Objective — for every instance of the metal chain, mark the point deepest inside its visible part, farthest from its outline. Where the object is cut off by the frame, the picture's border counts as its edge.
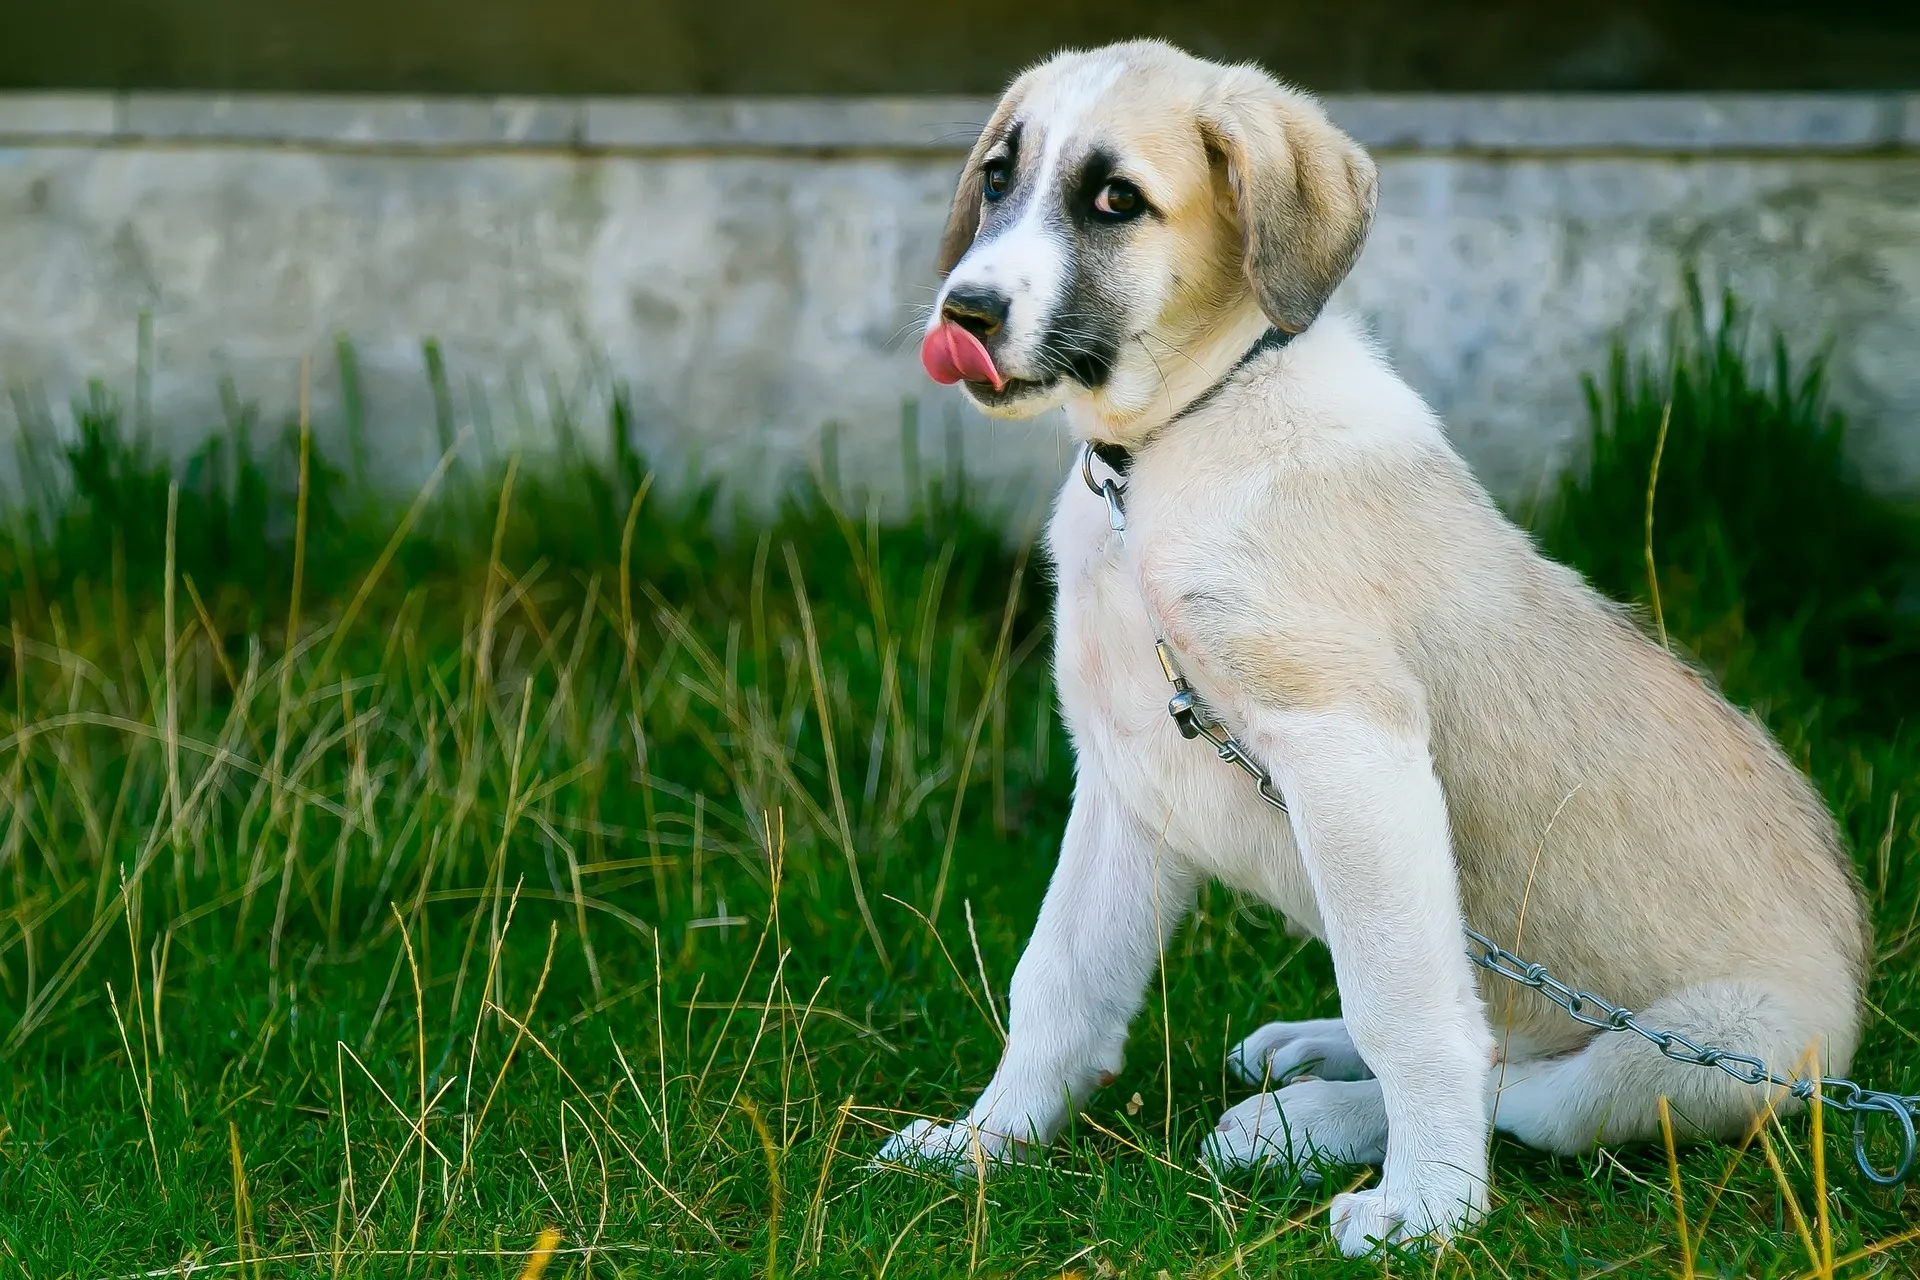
(1191, 715)
(1837, 1094)
(1187, 710)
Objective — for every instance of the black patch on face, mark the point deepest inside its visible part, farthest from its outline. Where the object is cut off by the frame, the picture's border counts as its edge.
(997, 215)
(1089, 324)
(1081, 344)
(1095, 172)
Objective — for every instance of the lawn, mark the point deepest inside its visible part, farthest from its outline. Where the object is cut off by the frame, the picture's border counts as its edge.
(387, 887)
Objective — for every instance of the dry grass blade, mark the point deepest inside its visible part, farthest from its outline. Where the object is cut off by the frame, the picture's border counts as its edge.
(1653, 484)
(242, 1199)
(170, 714)
(980, 966)
(821, 709)
(907, 1230)
(1679, 1195)
(614, 1133)
(1236, 1259)
(991, 1017)
(1787, 1197)
(628, 636)
(1816, 1107)
(472, 1135)
(814, 1227)
(996, 669)
(774, 1188)
(1873, 1250)
(142, 1091)
(372, 578)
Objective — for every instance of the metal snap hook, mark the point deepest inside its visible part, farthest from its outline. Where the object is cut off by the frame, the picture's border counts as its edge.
(1902, 1167)
(1108, 491)
(1086, 471)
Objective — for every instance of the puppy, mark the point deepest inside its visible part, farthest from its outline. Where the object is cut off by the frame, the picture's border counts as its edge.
(1463, 731)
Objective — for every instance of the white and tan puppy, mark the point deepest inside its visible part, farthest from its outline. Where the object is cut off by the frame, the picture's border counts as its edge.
(1464, 732)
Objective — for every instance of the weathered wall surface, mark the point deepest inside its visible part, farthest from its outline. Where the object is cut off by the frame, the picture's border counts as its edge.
(752, 269)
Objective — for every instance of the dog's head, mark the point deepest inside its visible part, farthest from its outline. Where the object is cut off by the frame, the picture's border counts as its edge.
(1122, 208)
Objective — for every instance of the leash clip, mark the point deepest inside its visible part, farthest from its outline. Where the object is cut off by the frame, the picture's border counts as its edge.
(1182, 706)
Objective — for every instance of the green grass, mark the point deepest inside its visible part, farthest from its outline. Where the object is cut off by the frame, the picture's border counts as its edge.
(370, 903)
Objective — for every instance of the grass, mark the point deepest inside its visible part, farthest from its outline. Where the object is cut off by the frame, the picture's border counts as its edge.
(385, 889)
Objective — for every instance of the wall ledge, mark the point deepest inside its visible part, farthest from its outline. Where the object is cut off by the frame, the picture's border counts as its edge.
(1669, 124)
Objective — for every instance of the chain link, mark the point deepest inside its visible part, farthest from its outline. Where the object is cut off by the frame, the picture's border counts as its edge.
(1837, 1094)
(1190, 714)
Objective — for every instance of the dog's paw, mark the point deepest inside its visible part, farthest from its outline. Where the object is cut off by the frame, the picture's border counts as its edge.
(961, 1149)
(1363, 1221)
(1301, 1126)
(1279, 1051)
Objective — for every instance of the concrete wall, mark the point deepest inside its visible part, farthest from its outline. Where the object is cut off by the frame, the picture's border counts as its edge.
(752, 268)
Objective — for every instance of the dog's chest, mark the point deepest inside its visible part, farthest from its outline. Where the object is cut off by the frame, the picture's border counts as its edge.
(1114, 695)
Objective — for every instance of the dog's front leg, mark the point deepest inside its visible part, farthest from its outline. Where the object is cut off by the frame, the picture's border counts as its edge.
(1115, 897)
(1371, 823)
(1325, 701)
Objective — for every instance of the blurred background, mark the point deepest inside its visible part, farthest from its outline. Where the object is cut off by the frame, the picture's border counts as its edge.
(522, 709)
(763, 46)
(726, 211)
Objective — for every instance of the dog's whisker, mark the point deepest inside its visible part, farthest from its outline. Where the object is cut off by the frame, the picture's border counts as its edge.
(1143, 337)
(1165, 386)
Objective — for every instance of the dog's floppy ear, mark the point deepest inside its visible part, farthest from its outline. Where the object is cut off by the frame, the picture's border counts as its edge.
(1303, 192)
(963, 220)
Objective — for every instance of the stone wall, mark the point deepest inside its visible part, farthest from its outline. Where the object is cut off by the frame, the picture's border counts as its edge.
(752, 269)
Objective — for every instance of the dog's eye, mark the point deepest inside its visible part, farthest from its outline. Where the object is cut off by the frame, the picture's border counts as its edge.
(996, 177)
(1119, 200)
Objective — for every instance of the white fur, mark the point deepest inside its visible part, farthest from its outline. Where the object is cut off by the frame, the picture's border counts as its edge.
(1280, 1051)
(1364, 863)
(1464, 733)
(1298, 1128)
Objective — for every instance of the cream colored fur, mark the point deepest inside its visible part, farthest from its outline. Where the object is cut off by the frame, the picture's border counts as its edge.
(1464, 731)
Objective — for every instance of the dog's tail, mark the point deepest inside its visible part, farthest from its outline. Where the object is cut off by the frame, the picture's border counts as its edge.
(1609, 1091)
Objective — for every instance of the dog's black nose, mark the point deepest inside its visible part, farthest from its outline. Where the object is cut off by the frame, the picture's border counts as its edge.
(982, 311)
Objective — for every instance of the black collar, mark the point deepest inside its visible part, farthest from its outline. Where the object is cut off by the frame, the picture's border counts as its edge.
(1120, 458)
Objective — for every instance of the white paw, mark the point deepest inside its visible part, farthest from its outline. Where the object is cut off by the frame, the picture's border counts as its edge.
(959, 1148)
(1363, 1221)
(1301, 1126)
(1279, 1051)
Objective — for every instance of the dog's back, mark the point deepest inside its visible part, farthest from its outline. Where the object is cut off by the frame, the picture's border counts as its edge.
(1611, 811)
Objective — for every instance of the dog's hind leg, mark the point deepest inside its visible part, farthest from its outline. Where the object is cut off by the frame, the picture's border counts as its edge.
(1279, 1051)
(1609, 1091)
(1301, 1127)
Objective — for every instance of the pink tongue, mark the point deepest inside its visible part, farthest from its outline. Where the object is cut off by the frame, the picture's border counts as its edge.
(951, 354)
